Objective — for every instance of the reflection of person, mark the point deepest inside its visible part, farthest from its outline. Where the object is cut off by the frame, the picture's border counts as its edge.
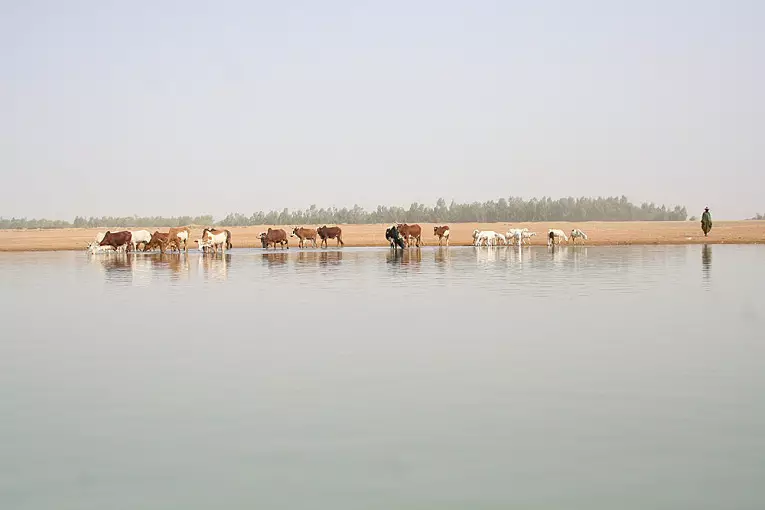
(706, 221)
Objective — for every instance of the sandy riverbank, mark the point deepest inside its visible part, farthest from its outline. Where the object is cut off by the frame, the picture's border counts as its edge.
(600, 233)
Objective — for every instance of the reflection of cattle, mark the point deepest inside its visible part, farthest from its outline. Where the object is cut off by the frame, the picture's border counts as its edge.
(275, 259)
(442, 233)
(411, 232)
(158, 240)
(274, 236)
(330, 257)
(215, 266)
(304, 234)
(116, 239)
(326, 233)
(394, 237)
(179, 236)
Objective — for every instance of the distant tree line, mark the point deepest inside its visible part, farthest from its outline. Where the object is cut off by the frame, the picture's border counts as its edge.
(758, 216)
(107, 221)
(513, 209)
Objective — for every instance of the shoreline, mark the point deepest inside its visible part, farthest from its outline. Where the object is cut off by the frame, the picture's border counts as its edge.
(600, 233)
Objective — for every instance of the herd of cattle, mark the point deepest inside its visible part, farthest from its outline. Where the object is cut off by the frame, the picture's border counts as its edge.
(400, 235)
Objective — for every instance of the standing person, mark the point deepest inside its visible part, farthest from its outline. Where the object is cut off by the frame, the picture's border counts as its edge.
(706, 221)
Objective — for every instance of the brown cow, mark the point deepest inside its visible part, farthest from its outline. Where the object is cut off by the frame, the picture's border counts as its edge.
(179, 236)
(274, 236)
(116, 239)
(304, 234)
(158, 240)
(411, 232)
(442, 232)
(326, 233)
(215, 231)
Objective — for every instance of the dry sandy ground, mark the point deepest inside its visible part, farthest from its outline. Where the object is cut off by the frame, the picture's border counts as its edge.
(600, 233)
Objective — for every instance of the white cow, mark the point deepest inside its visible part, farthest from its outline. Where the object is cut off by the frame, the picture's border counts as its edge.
(578, 234)
(527, 235)
(138, 237)
(485, 236)
(214, 240)
(555, 233)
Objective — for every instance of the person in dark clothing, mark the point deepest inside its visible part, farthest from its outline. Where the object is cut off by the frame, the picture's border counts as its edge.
(706, 221)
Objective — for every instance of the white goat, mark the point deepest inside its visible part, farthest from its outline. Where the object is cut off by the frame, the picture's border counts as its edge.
(486, 236)
(555, 233)
(578, 234)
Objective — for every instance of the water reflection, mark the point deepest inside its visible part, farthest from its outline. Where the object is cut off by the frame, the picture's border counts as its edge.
(706, 260)
(275, 258)
(441, 256)
(330, 257)
(215, 266)
(116, 266)
(176, 263)
(404, 257)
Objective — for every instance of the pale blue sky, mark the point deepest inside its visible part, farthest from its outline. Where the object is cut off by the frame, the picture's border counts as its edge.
(193, 107)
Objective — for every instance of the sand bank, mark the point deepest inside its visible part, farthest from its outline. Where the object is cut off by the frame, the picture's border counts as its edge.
(600, 233)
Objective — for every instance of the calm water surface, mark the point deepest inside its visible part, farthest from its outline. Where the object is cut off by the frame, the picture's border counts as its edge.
(585, 378)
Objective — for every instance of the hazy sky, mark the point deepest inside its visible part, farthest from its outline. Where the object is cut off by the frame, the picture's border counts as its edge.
(190, 107)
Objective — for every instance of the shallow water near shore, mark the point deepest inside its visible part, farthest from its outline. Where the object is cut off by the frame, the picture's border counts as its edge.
(579, 377)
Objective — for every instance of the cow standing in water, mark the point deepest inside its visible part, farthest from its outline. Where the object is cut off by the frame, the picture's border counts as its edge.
(212, 238)
(116, 239)
(209, 233)
(274, 236)
(327, 233)
(394, 237)
(304, 234)
(442, 233)
(411, 232)
(158, 240)
(179, 236)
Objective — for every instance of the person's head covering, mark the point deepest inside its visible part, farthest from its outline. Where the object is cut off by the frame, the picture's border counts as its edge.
(706, 208)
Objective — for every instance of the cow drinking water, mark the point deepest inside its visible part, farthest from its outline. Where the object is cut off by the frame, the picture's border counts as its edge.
(394, 237)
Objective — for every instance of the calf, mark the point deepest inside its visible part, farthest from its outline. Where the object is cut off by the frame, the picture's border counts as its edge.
(116, 239)
(94, 247)
(274, 236)
(304, 234)
(578, 234)
(442, 233)
(327, 233)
